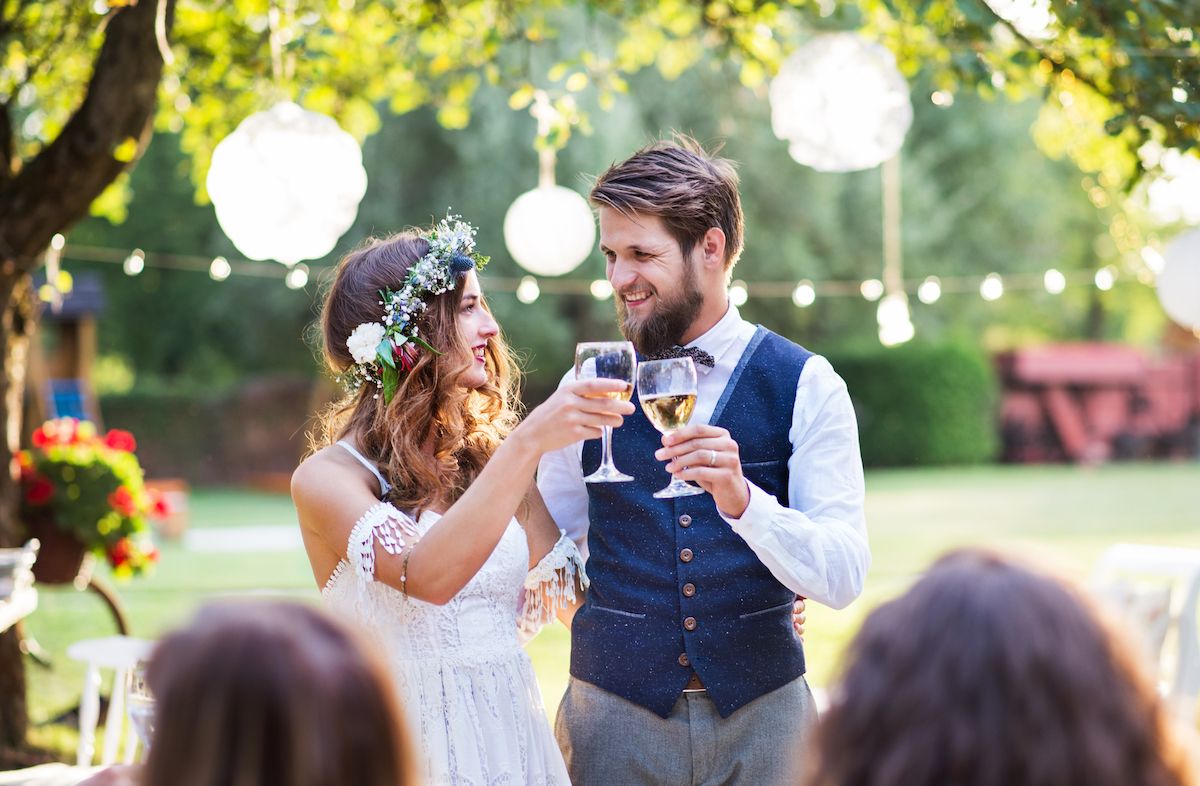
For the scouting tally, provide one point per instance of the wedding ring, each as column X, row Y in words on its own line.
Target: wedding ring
column 712, row 458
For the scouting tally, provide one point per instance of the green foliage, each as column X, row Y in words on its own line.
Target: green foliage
column 922, row 404
column 1111, row 69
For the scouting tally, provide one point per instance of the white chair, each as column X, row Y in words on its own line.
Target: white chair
column 1156, row 590
column 121, row 654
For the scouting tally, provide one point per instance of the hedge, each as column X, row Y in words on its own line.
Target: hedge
column 923, row 404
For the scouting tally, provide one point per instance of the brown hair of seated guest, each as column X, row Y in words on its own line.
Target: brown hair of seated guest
column 272, row 694
column 987, row 673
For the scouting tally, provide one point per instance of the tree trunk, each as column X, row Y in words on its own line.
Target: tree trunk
column 16, row 325
column 46, row 196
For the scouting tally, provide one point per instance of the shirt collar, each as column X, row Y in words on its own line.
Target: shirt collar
column 717, row 340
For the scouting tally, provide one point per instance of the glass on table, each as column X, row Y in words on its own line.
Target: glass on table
column 667, row 392
column 139, row 703
column 607, row 360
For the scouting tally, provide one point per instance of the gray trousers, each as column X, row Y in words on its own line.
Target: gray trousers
column 608, row 741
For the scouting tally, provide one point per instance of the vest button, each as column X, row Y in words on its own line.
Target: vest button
column 689, row 590
column 684, row 660
column 689, row 623
column 686, row 555
column 685, row 521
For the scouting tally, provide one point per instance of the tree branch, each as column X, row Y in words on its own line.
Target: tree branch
column 55, row 189
column 7, row 143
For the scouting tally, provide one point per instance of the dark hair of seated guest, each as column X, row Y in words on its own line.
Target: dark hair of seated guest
column 272, row 694
column 988, row 673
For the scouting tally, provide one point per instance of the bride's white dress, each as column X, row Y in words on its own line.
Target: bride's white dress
column 466, row 685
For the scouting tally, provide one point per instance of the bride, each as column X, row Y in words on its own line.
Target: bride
column 420, row 516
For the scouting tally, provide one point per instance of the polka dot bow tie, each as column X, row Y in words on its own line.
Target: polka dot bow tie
column 696, row 354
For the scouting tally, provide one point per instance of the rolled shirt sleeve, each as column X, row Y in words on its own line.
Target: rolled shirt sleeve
column 817, row 545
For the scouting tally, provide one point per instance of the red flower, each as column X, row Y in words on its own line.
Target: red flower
column 41, row 438
column 159, row 507
column 122, row 501
column 39, row 490
column 120, row 440
column 405, row 356
column 120, row 552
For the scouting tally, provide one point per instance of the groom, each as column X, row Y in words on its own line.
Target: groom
column 684, row 664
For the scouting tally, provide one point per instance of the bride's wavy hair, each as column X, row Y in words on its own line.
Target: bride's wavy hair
column 436, row 436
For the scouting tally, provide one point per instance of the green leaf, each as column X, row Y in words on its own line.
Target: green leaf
column 384, row 351
column 391, row 383
column 425, row 344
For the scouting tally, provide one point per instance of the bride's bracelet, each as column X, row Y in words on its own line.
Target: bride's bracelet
column 404, row 570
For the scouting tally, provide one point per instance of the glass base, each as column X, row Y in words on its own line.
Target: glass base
column 609, row 474
column 678, row 488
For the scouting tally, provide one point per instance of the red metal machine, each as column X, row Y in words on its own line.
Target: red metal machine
column 1098, row 402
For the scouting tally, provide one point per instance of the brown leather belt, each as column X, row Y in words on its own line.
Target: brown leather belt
column 694, row 685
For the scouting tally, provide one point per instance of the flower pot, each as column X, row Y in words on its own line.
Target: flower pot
column 60, row 558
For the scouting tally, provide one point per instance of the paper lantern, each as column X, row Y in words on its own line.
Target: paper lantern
column 841, row 104
column 1179, row 281
column 1031, row 18
column 550, row 230
column 286, row 184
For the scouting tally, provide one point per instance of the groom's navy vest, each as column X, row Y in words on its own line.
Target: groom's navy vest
column 674, row 589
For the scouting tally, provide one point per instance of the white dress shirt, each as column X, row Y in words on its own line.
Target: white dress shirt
column 816, row 546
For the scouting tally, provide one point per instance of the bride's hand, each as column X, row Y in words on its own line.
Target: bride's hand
column 577, row 411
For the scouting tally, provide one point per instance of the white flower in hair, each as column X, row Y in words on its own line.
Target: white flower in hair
column 364, row 341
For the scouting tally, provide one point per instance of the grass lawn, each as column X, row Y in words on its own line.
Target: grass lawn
column 1064, row 516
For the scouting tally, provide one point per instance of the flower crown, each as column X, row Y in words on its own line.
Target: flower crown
column 382, row 351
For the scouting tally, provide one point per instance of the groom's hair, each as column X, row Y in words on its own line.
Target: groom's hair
column 688, row 188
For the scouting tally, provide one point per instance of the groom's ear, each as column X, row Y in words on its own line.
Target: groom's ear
column 712, row 249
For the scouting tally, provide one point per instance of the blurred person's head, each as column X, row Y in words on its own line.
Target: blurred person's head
column 272, row 694
column 450, row 410
column 987, row 673
column 671, row 231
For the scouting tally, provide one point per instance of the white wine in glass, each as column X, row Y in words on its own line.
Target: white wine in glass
column 667, row 391
column 607, row 360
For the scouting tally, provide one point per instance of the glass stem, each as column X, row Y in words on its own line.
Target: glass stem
column 607, row 438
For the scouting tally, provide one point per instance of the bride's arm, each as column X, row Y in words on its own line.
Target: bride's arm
column 455, row 548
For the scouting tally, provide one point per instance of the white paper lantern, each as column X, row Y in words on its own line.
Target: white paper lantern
column 841, row 104
column 1179, row 281
column 1173, row 196
column 286, row 184
column 549, row 230
column 1031, row 18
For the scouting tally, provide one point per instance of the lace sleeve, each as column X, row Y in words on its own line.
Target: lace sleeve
column 550, row 586
column 384, row 524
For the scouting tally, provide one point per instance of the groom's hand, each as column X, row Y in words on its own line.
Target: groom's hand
column 708, row 456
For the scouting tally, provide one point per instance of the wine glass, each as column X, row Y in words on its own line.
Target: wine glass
column 667, row 390
column 607, row 360
column 139, row 703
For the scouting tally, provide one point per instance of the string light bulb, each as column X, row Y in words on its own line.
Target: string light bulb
column 738, row 294
column 601, row 289
column 871, row 289
column 930, row 290
column 220, row 269
column 992, row 287
column 134, row 263
column 805, row 294
column 528, row 290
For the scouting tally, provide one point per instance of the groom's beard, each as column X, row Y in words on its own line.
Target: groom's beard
column 673, row 314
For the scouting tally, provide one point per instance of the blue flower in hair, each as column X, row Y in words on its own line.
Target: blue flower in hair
column 461, row 263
